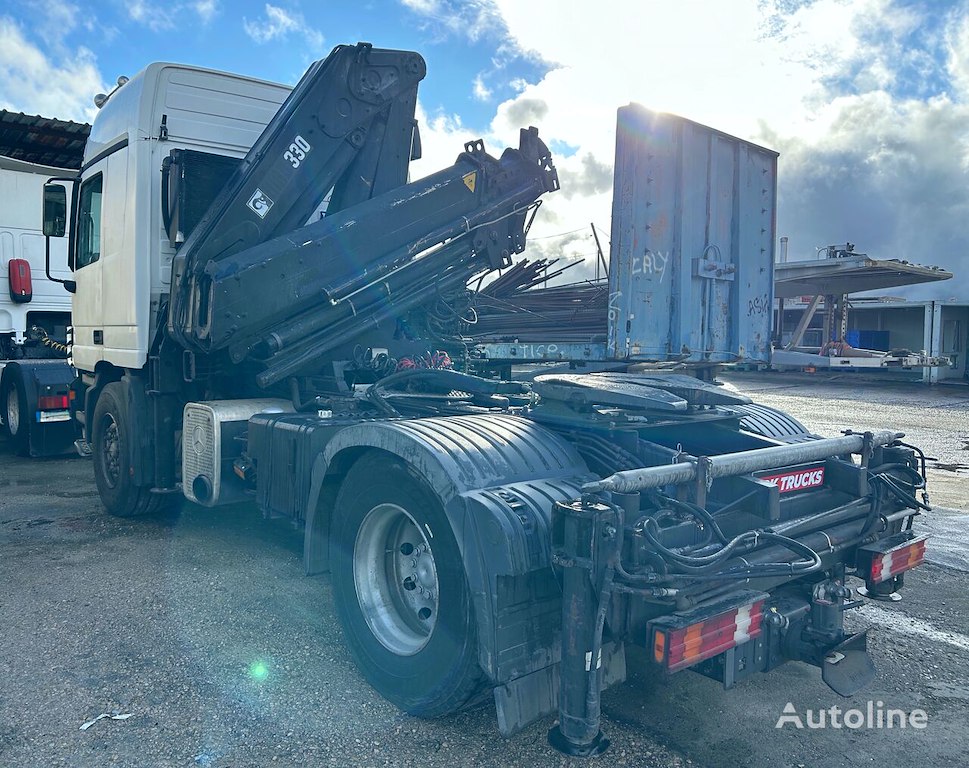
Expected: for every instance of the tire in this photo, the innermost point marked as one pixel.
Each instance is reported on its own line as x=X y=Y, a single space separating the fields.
x=13 y=400
x=400 y=590
x=110 y=443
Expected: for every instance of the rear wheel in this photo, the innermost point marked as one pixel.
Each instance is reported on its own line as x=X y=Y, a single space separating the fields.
x=400 y=590
x=111 y=450
x=14 y=402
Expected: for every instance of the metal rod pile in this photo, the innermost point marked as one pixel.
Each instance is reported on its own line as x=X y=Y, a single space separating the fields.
x=513 y=306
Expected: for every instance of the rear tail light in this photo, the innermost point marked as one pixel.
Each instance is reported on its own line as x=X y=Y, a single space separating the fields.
x=52 y=402
x=681 y=642
x=888 y=563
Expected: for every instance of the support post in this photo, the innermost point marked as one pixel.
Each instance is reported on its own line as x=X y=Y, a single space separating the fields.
x=576 y=528
x=804 y=322
x=932 y=339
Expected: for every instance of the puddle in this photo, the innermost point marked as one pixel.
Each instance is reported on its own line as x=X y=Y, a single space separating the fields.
x=949 y=467
x=948 y=538
x=906 y=625
x=944 y=690
x=27 y=523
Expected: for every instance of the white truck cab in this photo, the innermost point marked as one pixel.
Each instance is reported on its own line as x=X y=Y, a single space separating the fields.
x=121 y=247
x=34 y=316
x=21 y=239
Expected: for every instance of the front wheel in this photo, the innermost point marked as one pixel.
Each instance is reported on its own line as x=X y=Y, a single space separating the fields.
x=111 y=450
x=400 y=590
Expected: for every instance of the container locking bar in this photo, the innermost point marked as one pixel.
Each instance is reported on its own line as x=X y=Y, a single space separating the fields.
x=741 y=463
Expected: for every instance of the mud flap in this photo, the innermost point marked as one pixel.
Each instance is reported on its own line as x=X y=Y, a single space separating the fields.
x=847 y=667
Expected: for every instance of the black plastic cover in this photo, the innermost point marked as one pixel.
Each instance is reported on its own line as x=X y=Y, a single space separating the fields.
x=191 y=181
x=284 y=447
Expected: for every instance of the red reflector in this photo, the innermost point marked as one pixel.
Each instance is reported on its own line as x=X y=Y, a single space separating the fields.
x=18 y=275
x=52 y=402
x=702 y=640
x=895 y=561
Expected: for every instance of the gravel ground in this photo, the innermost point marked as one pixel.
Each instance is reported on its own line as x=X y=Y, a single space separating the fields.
x=206 y=630
x=203 y=627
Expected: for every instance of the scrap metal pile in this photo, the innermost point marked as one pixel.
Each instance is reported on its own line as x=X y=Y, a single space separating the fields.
x=516 y=307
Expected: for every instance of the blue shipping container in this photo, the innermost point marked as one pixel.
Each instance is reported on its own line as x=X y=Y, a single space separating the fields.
x=692 y=252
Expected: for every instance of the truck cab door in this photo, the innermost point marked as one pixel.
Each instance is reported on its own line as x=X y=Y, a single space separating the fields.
x=106 y=267
x=86 y=309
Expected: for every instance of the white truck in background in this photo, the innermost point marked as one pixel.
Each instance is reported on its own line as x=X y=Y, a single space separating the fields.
x=35 y=312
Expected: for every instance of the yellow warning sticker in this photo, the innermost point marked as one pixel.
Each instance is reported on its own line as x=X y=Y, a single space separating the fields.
x=469 y=179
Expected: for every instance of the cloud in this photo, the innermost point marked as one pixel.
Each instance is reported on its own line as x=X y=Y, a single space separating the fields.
x=156 y=17
x=483 y=31
x=159 y=16
x=206 y=9
x=890 y=176
x=866 y=100
x=478 y=88
x=424 y=7
x=60 y=20
x=471 y=19
x=885 y=165
x=592 y=178
x=31 y=82
x=523 y=112
x=443 y=136
x=278 y=24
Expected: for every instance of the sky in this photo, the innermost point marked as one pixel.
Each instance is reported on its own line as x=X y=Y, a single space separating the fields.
x=867 y=101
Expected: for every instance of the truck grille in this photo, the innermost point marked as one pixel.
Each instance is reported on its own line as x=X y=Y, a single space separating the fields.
x=200 y=448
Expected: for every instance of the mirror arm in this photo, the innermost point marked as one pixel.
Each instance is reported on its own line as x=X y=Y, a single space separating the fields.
x=69 y=285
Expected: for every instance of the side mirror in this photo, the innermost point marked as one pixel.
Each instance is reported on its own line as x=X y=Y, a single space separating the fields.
x=55 y=210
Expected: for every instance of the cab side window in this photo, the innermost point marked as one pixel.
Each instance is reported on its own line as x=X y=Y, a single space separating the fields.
x=89 y=222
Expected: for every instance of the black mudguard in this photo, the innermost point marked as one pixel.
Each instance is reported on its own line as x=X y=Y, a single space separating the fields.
x=497 y=477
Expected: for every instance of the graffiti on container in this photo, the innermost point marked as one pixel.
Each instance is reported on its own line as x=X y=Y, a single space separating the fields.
x=759 y=305
x=651 y=263
x=614 y=307
x=536 y=351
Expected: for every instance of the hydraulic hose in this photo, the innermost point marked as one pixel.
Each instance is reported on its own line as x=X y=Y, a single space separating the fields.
x=47 y=341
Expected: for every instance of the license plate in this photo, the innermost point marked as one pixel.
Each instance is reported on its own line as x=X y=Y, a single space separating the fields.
x=47 y=416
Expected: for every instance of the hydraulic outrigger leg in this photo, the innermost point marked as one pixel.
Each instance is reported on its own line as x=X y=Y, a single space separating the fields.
x=581 y=544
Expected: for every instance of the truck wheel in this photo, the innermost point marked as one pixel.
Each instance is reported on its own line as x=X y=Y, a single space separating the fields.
x=110 y=445
x=400 y=590
x=14 y=403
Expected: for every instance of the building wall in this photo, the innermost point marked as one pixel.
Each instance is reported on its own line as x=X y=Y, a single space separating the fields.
x=937 y=328
x=903 y=323
x=954 y=340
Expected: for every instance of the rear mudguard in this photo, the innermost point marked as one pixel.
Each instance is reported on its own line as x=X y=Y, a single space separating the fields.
x=771 y=422
x=39 y=377
x=497 y=477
